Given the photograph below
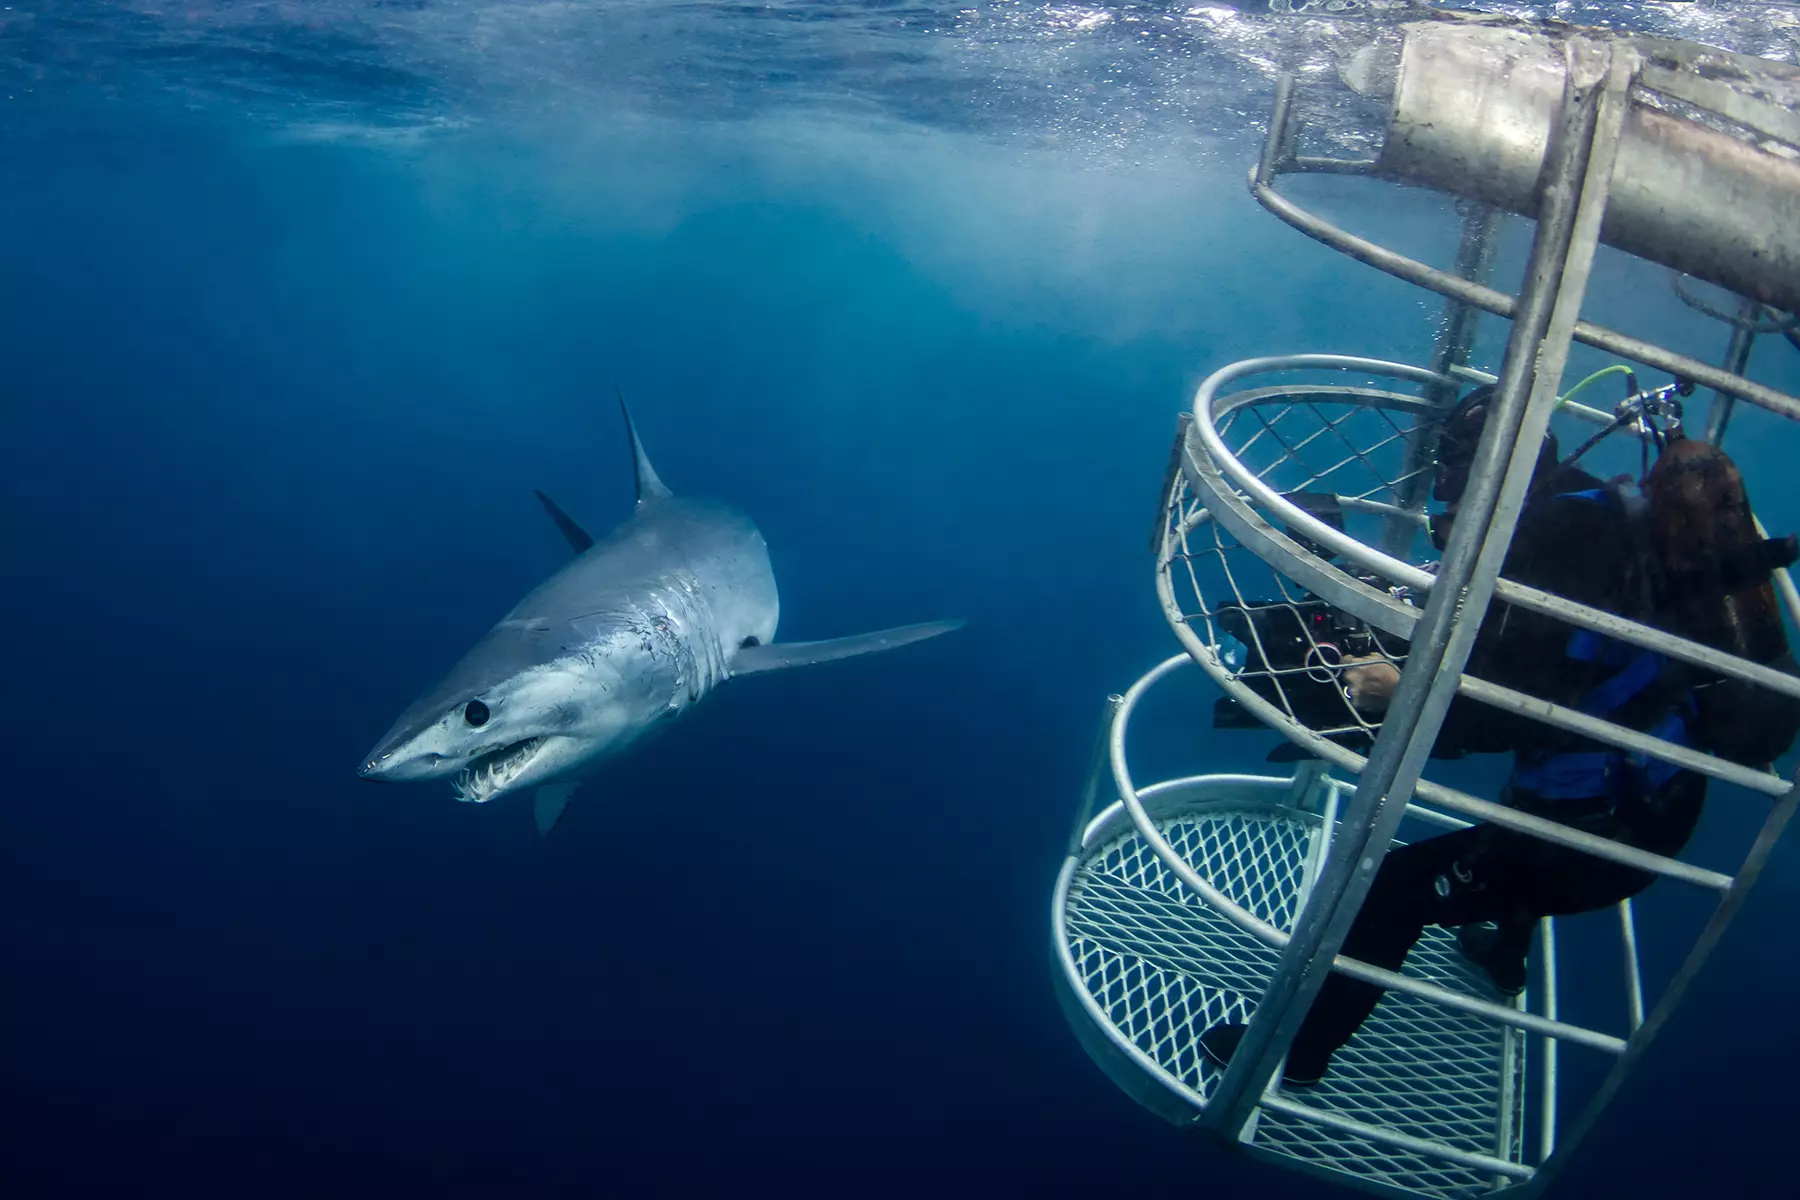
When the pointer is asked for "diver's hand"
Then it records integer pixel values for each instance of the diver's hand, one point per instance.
(1369, 682)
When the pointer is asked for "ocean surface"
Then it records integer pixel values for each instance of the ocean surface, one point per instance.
(300, 301)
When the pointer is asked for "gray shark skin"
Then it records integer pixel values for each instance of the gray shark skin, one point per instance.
(641, 626)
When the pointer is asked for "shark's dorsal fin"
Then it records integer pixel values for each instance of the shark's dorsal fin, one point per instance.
(753, 660)
(579, 538)
(649, 487)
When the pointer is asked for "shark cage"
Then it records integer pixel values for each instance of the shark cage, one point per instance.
(1293, 543)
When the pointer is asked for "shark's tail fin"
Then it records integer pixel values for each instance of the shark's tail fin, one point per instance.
(649, 486)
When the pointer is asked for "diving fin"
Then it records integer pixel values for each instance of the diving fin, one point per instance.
(752, 660)
(578, 537)
(548, 802)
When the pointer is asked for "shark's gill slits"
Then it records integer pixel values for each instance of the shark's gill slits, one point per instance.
(492, 774)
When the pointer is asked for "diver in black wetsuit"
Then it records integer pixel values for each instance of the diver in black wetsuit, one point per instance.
(1574, 539)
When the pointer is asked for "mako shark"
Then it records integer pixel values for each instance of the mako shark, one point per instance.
(639, 628)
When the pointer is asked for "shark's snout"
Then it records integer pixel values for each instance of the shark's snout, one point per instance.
(390, 763)
(479, 774)
(378, 767)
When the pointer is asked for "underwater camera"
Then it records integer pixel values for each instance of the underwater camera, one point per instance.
(1289, 652)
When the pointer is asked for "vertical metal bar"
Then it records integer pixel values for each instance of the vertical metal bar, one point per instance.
(1455, 339)
(1310, 774)
(1159, 533)
(1512, 1055)
(1320, 849)
(1278, 146)
(1710, 937)
(1574, 199)
(1099, 768)
(1547, 1125)
(1737, 357)
(1634, 976)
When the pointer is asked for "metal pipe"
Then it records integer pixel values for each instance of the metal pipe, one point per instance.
(1473, 108)
(1502, 305)
(1097, 1016)
(1512, 1050)
(1455, 337)
(1201, 654)
(1489, 813)
(1608, 733)
(1171, 480)
(1205, 657)
(1567, 232)
(1671, 998)
(1395, 618)
(1434, 793)
(1685, 649)
(1423, 1147)
(1097, 770)
(1206, 428)
(1634, 976)
(1547, 1126)
(1307, 164)
(1275, 151)
(1321, 847)
(1272, 936)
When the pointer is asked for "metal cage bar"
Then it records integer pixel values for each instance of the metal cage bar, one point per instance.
(1326, 883)
(1280, 939)
(1548, 1047)
(1449, 799)
(1444, 283)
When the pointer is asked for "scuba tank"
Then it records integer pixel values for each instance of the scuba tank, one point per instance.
(1715, 587)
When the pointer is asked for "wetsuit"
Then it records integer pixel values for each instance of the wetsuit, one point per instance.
(1573, 539)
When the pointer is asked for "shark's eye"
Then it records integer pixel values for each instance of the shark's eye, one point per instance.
(476, 714)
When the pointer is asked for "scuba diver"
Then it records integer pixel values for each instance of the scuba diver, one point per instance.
(1684, 555)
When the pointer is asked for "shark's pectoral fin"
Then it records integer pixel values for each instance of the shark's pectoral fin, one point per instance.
(578, 537)
(548, 803)
(751, 660)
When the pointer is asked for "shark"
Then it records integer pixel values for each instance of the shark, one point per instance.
(637, 629)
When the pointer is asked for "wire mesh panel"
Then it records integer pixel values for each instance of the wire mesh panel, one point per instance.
(1288, 545)
(1343, 456)
(1421, 1069)
(1163, 967)
(1347, 442)
(1292, 566)
(1275, 640)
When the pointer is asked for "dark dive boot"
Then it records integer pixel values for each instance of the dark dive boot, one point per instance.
(1221, 1041)
(1500, 958)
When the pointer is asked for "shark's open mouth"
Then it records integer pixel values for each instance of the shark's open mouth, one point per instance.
(493, 773)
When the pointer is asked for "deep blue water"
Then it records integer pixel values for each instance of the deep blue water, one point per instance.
(271, 410)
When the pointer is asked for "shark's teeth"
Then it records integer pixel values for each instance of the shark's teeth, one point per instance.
(490, 776)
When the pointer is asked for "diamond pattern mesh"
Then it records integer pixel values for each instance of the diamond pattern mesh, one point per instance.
(1164, 967)
(1346, 446)
(1268, 633)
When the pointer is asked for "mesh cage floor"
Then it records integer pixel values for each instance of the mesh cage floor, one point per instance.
(1164, 967)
